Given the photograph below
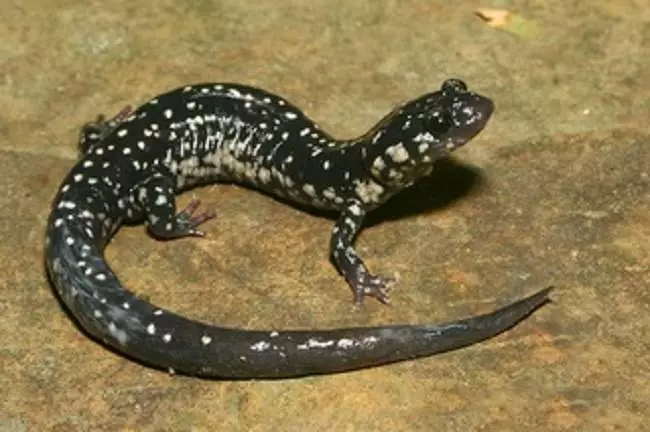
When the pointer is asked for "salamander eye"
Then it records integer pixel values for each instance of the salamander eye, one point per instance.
(439, 124)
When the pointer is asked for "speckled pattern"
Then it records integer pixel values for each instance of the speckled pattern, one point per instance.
(135, 163)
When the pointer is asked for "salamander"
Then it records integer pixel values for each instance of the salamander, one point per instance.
(134, 164)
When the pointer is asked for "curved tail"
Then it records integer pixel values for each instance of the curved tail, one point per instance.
(162, 339)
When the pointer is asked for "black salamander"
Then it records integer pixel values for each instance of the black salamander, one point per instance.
(134, 164)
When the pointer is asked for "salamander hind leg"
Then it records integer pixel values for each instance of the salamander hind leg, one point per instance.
(157, 198)
(349, 263)
(94, 132)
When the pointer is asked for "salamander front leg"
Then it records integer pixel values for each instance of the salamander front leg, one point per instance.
(157, 198)
(348, 262)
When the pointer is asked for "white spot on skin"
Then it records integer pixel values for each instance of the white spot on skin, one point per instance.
(264, 175)
(167, 337)
(122, 132)
(118, 334)
(369, 191)
(205, 340)
(260, 346)
(379, 164)
(309, 190)
(330, 194)
(151, 329)
(274, 334)
(158, 312)
(67, 204)
(398, 153)
(314, 343)
(161, 200)
(345, 343)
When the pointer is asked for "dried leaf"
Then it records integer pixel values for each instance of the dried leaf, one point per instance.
(507, 21)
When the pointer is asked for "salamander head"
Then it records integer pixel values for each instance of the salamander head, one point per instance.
(404, 145)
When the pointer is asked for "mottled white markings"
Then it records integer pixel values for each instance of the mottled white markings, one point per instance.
(260, 346)
(398, 153)
(309, 190)
(345, 343)
(368, 191)
(424, 137)
(329, 193)
(264, 175)
(315, 343)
